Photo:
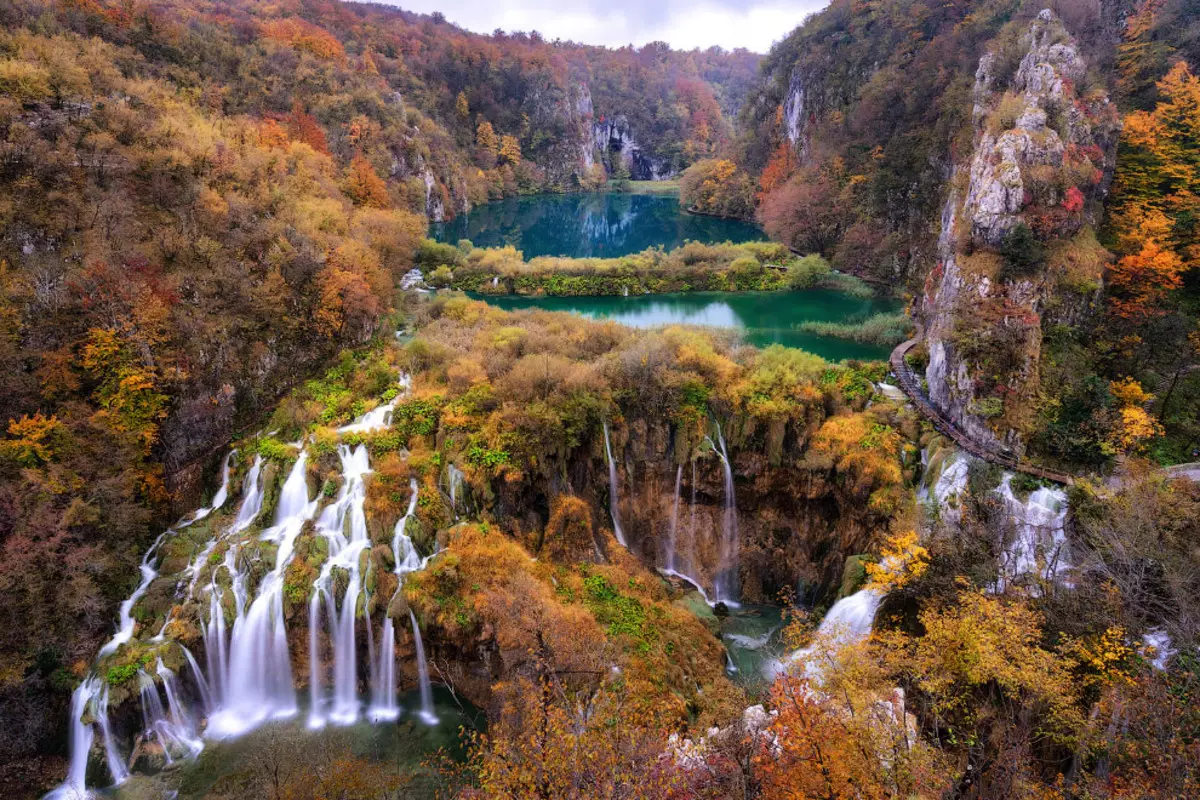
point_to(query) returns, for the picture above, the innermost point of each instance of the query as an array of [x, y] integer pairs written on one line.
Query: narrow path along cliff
[[910, 384]]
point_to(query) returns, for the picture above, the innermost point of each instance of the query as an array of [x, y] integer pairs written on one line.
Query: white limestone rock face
[[793, 110], [619, 150], [1029, 127]]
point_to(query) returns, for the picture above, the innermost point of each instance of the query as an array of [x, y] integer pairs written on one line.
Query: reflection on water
[[589, 225], [762, 318]]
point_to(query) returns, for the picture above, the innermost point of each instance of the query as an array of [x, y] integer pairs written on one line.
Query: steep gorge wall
[[1042, 163]]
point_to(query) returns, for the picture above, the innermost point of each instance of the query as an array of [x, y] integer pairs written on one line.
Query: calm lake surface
[[589, 225], [762, 318]]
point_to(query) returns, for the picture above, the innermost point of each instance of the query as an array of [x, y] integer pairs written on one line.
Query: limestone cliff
[[620, 152], [1017, 215]]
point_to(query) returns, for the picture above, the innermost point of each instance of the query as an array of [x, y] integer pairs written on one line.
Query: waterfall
[[346, 512], [179, 721], [1038, 548], [849, 620], [257, 682], [126, 624], [80, 743], [220, 497], [454, 480], [245, 675], [426, 713], [725, 581], [201, 682], [252, 494], [672, 531], [376, 419], [384, 706], [116, 766], [692, 514], [612, 490], [314, 660], [161, 726], [406, 557]]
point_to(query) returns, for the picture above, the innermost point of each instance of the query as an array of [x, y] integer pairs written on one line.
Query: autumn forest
[[305, 496]]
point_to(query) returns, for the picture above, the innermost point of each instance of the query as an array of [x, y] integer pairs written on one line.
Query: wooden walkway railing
[[910, 384]]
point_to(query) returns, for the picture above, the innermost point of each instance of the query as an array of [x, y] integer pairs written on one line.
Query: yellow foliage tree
[[510, 150], [903, 561], [1136, 427], [32, 441], [485, 137]]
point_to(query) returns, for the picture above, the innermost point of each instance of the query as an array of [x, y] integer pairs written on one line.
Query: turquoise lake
[[762, 318], [603, 225]]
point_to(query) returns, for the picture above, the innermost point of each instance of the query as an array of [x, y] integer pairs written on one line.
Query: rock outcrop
[[1043, 158], [621, 152]]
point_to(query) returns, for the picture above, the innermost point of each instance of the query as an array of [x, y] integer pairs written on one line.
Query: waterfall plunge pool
[[240, 767]]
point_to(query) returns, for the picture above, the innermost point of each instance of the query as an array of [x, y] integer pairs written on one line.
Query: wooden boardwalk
[[910, 384]]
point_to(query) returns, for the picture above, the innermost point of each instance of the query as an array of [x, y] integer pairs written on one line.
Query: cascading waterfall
[[181, 724], [1039, 546], [222, 492], [672, 532], [849, 620], [725, 581], [692, 515], [258, 683], [82, 735], [454, 481], [613, 497], [126, 624], [672, 568], [426, 713], [116, 766], [253, 494], [345, 513], [201, 681], [245, 675], [384, 705]]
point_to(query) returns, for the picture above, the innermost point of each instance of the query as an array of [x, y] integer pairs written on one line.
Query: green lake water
[[762, 318], [603, 224]]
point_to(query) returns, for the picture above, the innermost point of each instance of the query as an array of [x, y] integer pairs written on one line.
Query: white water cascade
[[179, 720], [244, 677], [426, 713], [116, 766], [613, 504], [344, 515], [82, 735], [849, 620], [201, 682], [1039, 546], [384, 705], [220, 497], [454, 482], [252, 497], [126, 622], [257, 683], [725, 581], [673, 530]]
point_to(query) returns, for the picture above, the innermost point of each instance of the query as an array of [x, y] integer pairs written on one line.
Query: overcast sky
[[753, 24]]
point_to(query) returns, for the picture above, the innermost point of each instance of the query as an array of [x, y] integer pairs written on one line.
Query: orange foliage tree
[[364, 185], [304, 35]]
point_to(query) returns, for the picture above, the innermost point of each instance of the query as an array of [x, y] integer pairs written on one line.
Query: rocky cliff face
[[1043, 158], [619, 151]]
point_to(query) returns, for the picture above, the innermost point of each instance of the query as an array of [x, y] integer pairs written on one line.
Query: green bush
[[1022, 252], [807, 272], [435, 254]]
